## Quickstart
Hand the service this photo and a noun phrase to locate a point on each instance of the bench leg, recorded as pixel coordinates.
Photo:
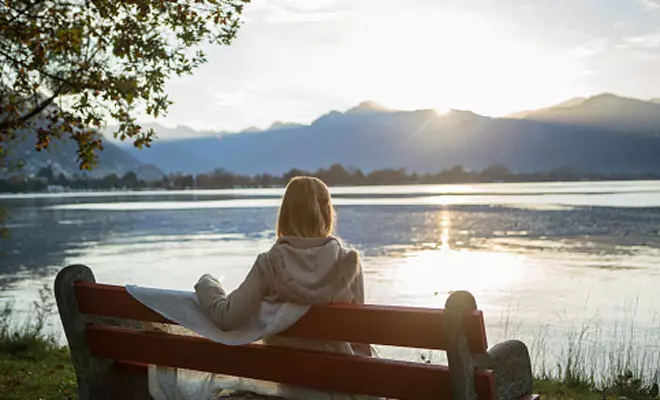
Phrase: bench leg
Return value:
(98, 379)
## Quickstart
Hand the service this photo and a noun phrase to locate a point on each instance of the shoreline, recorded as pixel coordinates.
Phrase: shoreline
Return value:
(155, 189)
(599, 187)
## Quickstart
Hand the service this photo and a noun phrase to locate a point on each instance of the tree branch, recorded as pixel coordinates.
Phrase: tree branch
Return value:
(54, 77)
(25, 10)
(9, 123)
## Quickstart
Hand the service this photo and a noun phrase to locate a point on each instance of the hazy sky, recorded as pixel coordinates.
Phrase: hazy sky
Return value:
(297, 59)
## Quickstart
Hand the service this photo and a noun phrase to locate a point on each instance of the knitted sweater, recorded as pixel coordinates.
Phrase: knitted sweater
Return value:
(297, 270)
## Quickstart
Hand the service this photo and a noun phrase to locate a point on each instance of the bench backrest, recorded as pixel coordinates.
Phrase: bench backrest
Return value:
(99, 345)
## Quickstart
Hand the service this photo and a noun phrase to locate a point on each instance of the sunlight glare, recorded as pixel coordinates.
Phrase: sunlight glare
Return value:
(445, 225)
(432, 274)
(456, 60)
(442, 110)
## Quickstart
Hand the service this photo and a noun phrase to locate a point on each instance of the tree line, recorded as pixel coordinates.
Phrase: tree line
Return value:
(336, 175)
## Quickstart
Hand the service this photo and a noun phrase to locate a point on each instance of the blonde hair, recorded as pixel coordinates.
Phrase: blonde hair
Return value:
(306, 209)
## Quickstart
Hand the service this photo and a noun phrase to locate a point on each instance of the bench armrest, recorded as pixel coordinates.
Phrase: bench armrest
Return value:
(512, 367)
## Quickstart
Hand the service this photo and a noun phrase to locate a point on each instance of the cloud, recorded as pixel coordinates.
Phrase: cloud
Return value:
(650, 4)
(590, 48)
(291, 11)
(225, 99)
(648, 41)
(294, 60)
(530, 5)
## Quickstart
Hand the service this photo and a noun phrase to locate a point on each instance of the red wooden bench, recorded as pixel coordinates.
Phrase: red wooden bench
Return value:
(110, 350)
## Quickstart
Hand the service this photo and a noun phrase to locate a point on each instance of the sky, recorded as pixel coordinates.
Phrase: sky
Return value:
(294, 60)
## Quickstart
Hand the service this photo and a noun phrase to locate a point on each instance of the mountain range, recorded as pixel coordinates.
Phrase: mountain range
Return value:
(61, 157)
(603, 133)
(606, 112)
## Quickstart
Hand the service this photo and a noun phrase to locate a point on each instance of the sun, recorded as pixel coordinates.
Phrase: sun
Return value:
(442, 110)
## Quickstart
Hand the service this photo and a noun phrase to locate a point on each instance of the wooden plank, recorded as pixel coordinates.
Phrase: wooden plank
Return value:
(113, 301)
(142, 369)
(319, 370)
(131, 367)
(384, 325)
(485, 384)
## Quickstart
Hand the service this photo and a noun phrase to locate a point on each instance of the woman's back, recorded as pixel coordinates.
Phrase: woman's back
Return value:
(310, 271)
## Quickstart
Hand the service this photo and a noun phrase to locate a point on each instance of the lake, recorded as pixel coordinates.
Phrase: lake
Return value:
(544, 260)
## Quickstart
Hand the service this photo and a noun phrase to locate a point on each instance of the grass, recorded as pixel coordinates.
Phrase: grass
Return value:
(47, 376)
(621, 361)
(32, 364)
(554, 390)
(550, 389)
(592, 357)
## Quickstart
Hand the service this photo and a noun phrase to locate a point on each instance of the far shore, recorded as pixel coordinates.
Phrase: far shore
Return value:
(55, 190)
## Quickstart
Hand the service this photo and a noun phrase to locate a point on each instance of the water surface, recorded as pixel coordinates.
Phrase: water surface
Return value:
(540, 258)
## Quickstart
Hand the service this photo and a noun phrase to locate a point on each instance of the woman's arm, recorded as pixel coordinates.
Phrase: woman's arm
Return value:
(232, 311)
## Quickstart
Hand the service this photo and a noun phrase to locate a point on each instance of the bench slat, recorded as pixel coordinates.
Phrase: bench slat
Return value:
(320, 370)
(384, 325)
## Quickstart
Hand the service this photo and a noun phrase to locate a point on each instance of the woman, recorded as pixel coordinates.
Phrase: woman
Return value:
(306, 265)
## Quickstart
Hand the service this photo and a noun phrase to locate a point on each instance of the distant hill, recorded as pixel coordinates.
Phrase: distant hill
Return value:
(605, 111)
(367, 107)
(283, 125)
(565, 104)
(162, 132)
(604, 133)
(62, 158)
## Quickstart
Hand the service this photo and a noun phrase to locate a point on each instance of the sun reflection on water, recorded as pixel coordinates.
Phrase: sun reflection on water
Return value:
(426, 276)
(445, 225)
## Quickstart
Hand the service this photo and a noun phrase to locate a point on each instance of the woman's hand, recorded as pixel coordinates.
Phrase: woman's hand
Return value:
(209, 290)
(230, 311)
(207, 277)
